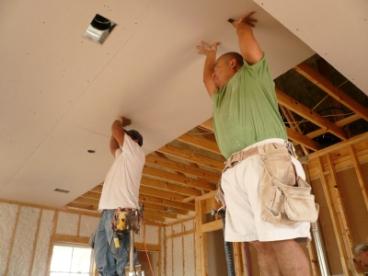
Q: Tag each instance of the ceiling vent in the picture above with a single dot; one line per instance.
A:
(61, 191)
(99, 28)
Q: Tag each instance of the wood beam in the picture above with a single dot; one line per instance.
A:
(154, 206)
(150, 216)
(161, 194)
(191, 170)
(82, 206)
(169, 187)
(293, 125)
(336, 93)
(178, 179)
(160, 213)
(307, 113)
(339, 123)
(168, 203)
(200, 142)
(191, 156)
(302, 139)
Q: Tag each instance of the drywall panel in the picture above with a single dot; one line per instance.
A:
(67, 105)
(336, 30)
(88, 225)
(178, 258)
(152, 234)
(67, 224)
(43, 241)
(20, 260)
(352, 198)
(169, 257)
(189, 255)
(8, 214)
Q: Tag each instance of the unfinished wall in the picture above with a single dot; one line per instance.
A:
(27, 234)
(179, 253)
(339, 180)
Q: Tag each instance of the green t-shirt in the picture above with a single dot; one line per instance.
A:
(245, 110)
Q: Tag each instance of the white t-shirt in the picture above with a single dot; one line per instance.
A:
(121, 186)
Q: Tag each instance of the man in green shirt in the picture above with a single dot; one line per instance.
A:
(249, 129)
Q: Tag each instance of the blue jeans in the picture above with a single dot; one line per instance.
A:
(110, 261)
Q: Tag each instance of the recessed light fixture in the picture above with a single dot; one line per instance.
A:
(99, 28)
(91, 151)
(61, 191)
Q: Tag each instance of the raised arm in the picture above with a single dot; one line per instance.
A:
(209, 51)
(249, 47)
(118, 134)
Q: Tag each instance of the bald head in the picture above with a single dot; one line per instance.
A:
(233, 56)
(226, 67)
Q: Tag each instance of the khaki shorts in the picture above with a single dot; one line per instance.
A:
(242, 187)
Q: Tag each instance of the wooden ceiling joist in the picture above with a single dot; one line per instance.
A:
(183, 168)
(161, 194)
(151, 216)
(153, 206)
(166, 186)
(340, 123)
(150, 212)
(302, 139)
(333, 91)
(179, 179)
(167, 203)
(82, 206)
(191, 156)
(307, 113)
(200, 142)
(293, 125)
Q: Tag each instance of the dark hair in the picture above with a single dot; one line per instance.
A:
(234, 55)
(135, 135)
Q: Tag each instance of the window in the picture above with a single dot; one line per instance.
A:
(71, 260)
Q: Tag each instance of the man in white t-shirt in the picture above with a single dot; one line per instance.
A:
(120, 190)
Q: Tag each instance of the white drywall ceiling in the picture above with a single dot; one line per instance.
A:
(60, 92)
(336, 30)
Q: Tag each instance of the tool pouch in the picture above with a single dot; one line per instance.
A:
(286, 198)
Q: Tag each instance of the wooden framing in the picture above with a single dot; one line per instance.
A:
(191, 156)
(293, 125)
(200, 142)
(177, 178)
(331, 90)
(295, 106)
(182, 168)
(166, 186)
